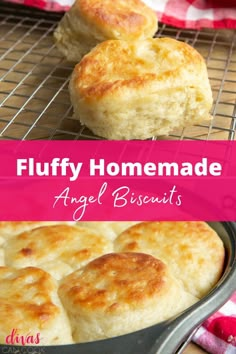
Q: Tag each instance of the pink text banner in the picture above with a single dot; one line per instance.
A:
(109, 181)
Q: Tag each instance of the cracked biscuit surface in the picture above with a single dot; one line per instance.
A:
(58, 249)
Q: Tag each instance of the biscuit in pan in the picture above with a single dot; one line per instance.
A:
(120, 293)
(192, 250)
(9, 229)
(29, 303)
(90, 22)
(109, 229)
(59, 249)
(2, 258)
(136, 90)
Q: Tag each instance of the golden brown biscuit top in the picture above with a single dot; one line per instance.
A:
(26, 297)
(15, 227)
(192, 250)
(114, 65)
(115, 282)
(73, 245)
(186, 237)
(127, 19)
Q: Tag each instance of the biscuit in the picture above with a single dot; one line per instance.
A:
(90, 22)
(120, 293)
(109, 229)
(2, 258)
(9, 229)
(59, 249)
(192, 250)
(136, 90)
(29, 304)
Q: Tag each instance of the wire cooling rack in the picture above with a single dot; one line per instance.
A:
(34, 99)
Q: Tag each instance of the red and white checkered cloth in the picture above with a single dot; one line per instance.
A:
(194, 14)
(47, 5)
(217, 335)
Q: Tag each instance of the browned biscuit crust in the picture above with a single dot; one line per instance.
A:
(134, 90)
(90, 22)
(192, 250)
(120, 19)
(120, 293)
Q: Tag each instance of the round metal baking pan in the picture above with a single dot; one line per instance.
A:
(166, 337)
